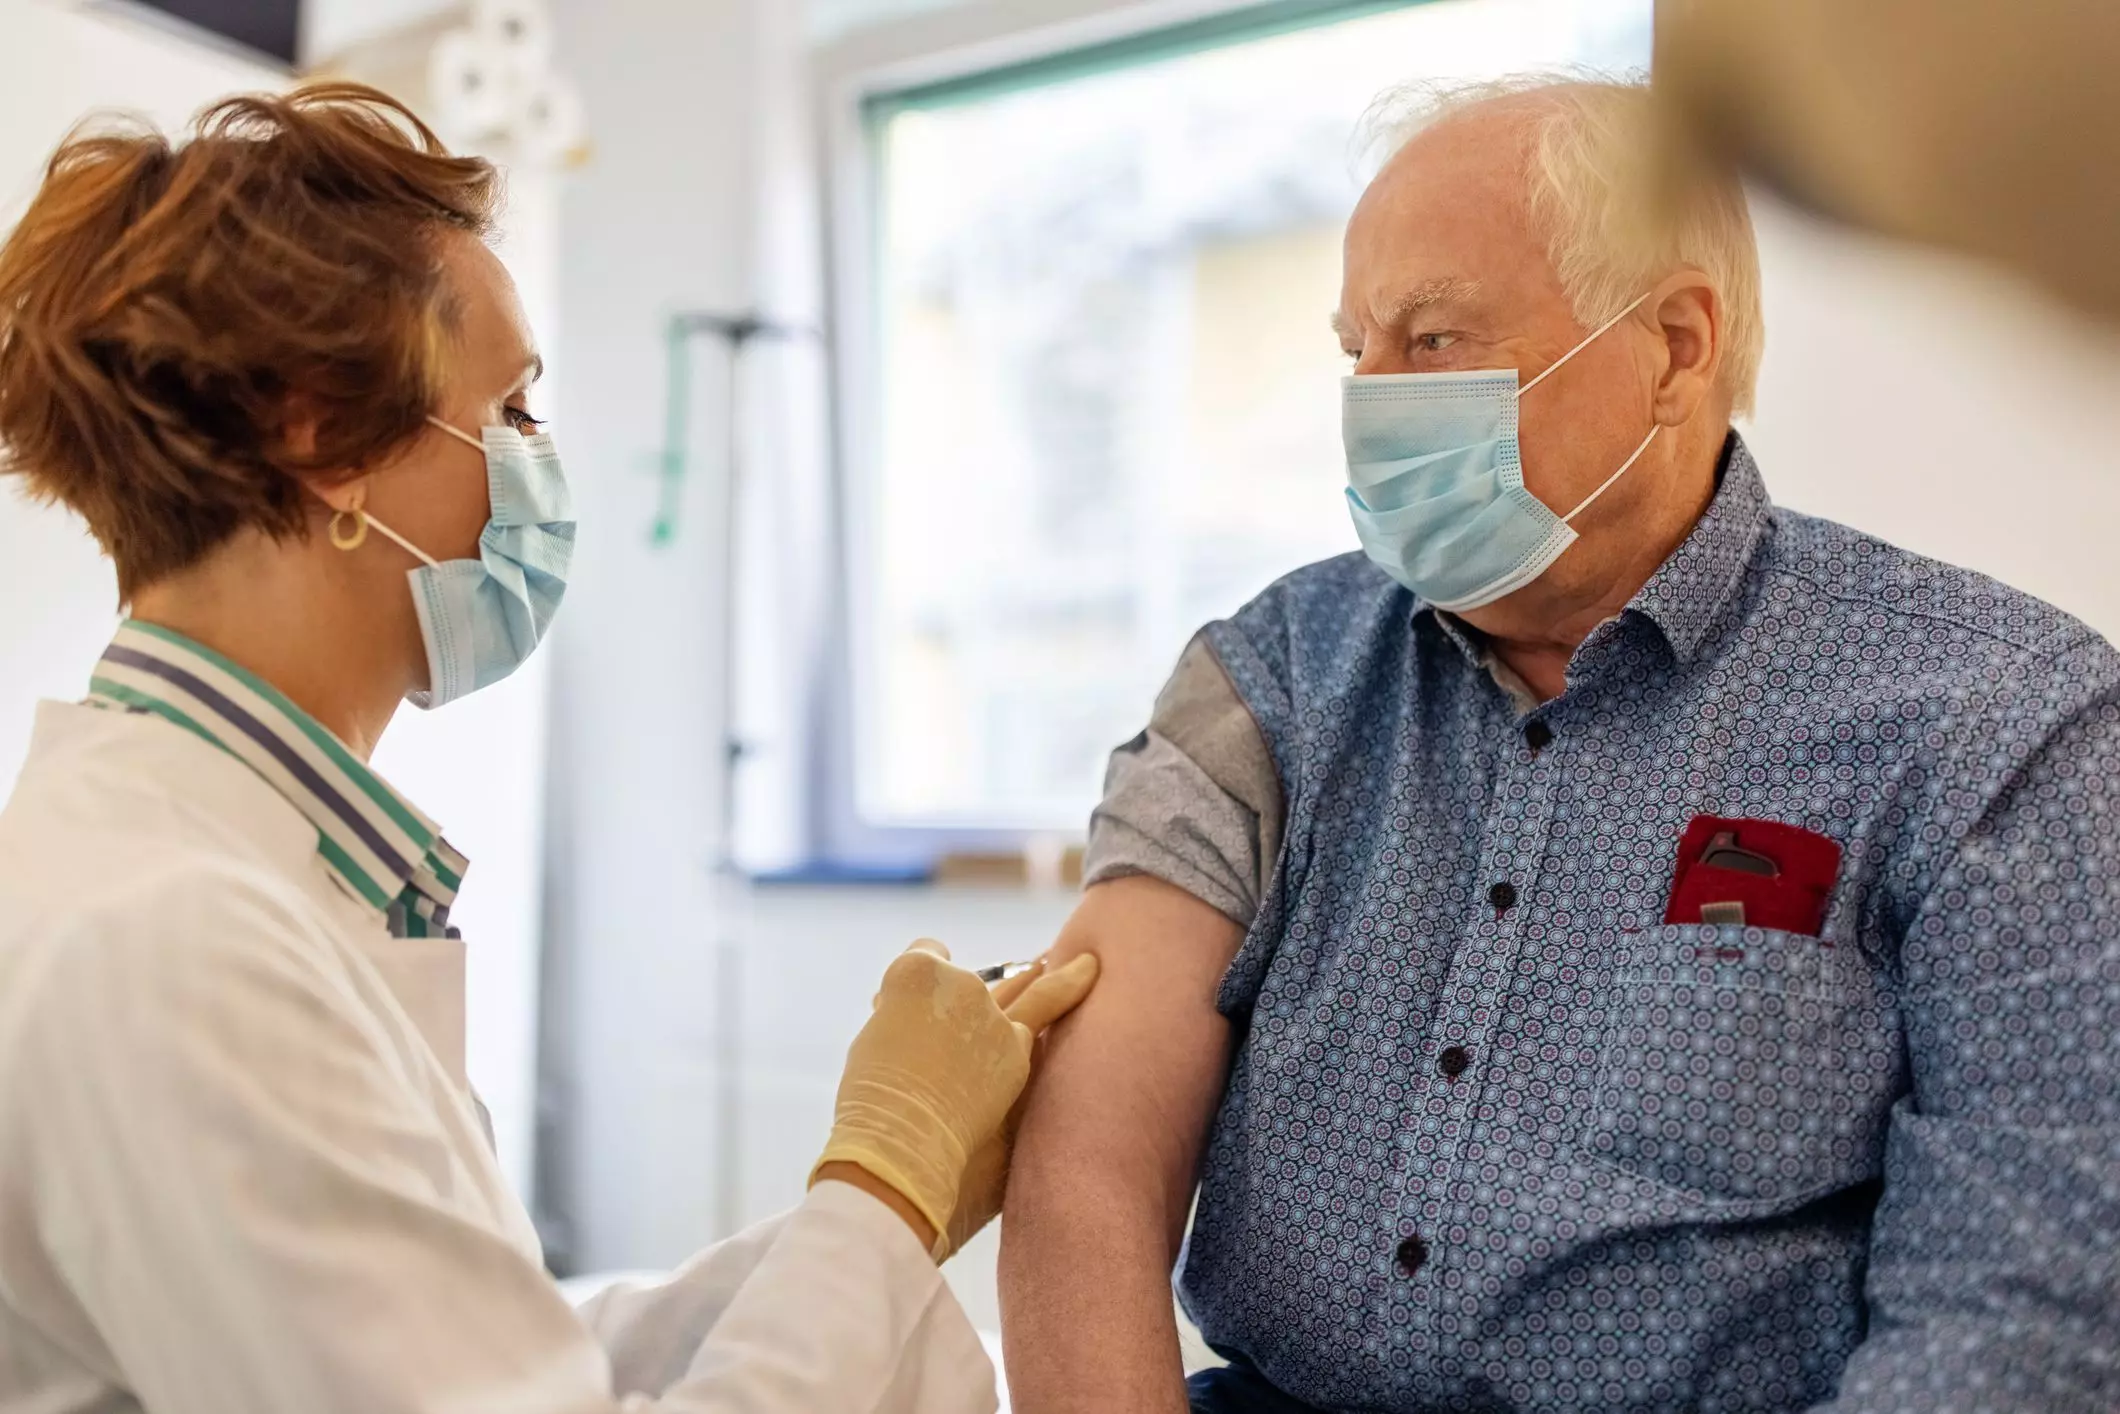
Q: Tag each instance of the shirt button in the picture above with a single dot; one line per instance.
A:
(1453, 1062)
(1502, 896)
(1413, 1255)
(1538, 736)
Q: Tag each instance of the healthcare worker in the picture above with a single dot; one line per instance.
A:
(281, 377)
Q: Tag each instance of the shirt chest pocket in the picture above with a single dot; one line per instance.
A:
(1743, 1069)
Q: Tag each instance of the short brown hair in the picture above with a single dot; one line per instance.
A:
(168, 312)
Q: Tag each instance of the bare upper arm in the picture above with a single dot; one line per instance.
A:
(1129, 1082)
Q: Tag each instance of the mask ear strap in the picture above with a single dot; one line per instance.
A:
(409, 548)
(356, 511)
(1658, 427)
(1595, 335)
(466, 437)
(406, 545)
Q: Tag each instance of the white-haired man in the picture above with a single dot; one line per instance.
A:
(1613, 945)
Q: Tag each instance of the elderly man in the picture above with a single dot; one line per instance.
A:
(1615, 945)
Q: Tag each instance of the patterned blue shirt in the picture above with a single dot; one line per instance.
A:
(1497, 1138)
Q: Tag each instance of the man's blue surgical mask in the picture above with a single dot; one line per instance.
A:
(1436, 481)
(480, 619)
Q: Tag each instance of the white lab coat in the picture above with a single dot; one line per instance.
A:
(241, 1171)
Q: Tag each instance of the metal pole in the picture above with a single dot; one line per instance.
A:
(728, 952)
(737, 333)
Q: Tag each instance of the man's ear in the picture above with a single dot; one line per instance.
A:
(1688, 314)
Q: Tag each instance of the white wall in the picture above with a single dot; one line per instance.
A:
(59, 594)
(660, 220)
(829, 19)
(332, 27)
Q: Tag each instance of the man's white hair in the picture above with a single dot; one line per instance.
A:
(1611, 228)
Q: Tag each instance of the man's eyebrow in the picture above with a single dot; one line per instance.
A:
(1448, 290)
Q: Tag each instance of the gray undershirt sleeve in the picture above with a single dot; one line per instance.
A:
(1195, 800)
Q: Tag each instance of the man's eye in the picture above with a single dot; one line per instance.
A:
(1433, 343)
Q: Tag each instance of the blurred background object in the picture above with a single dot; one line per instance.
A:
(1982, 126)
(1075, 259)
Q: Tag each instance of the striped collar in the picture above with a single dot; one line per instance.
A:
(375, 843)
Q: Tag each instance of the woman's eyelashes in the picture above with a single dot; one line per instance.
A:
(521, 420)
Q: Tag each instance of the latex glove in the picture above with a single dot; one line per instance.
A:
(986, 1177)
(931, 1079)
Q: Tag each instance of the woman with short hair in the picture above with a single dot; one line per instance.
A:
(280, 375)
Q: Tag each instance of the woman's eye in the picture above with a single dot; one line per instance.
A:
(522, 421)
(1433, 343)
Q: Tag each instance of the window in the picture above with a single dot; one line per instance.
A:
(1105, 393)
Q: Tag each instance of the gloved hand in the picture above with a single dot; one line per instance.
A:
(931, 1080)
(1035, 1001)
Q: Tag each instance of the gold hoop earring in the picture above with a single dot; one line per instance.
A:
(359, 536)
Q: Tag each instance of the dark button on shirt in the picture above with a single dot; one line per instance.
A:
(1502, 896)
(1413, 1255)
(1453, 1061)
(1538, 736)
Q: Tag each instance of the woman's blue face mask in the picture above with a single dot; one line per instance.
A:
(481, 619)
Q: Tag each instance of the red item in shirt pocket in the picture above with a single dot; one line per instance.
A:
(1778, 876)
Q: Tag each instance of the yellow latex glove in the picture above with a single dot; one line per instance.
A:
(986, 1177)
(931, 1080)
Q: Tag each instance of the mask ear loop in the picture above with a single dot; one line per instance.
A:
(457, 432)
(406, 545)
(347, 542)
(362, 520)
(1592, 497)
(1595, 335)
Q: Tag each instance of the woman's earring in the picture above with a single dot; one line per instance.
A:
(358, 536)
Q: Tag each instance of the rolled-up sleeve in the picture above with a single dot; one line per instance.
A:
(1195, 799)
(1994, 1275)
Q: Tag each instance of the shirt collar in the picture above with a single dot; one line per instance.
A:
(376, 844)
(1688, 591)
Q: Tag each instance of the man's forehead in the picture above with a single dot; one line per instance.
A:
(1464, 176)
(1447, 220)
